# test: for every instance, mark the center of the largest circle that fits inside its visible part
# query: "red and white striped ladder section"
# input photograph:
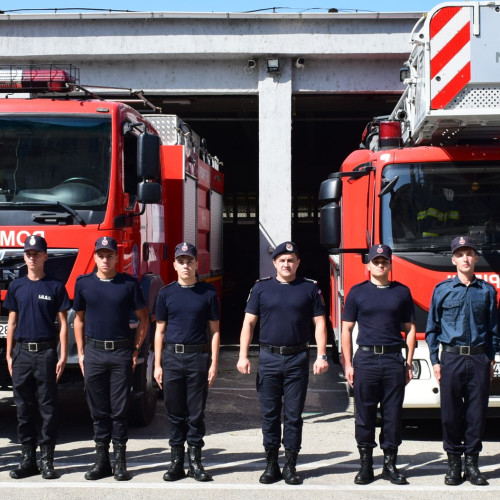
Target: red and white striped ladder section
(450, 68)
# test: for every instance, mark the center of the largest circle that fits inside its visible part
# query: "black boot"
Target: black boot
(176, 469)
(454, 475)
(102, 466)
(120, 471)
(365, 474)
(272, 472)
(289, 473)
(47, 461)
(27, 467)
(390, 470)
(472, 473)
(196, 469)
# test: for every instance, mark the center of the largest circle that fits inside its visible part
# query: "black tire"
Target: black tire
(145, 394)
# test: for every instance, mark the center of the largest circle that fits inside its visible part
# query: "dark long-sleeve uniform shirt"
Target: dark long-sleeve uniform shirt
(462, 315)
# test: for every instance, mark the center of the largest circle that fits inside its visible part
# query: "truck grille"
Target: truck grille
(12, 265)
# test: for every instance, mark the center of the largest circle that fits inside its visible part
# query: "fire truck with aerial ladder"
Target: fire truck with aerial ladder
(426, 173)
(75, 167)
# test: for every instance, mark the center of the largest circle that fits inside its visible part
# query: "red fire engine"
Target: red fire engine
(74, 169)
(428, 172)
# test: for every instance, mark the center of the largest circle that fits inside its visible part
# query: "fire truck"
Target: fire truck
(426, 173)
(76, 167)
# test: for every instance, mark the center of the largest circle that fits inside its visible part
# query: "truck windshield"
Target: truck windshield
(431, 203)
(49, 159)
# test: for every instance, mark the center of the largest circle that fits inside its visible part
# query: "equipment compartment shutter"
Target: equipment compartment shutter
(190, 226)
(216, 232)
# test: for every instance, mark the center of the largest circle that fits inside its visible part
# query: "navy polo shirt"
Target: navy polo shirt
(379, 312)
(186, 310)
(285, 310)
(37, 304)
(107, 304)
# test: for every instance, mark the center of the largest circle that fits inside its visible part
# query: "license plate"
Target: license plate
(496, 371)
(3, 330)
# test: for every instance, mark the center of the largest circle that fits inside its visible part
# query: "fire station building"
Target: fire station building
(281, 99)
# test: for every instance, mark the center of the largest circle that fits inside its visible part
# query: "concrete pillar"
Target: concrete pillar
(275, 160)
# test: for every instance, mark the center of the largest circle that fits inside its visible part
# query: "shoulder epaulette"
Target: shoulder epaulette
(449, 280)
(311, 280)
(267, 278)
(485, 282)
(84, 276)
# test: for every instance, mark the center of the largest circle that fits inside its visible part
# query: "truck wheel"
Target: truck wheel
(145, 394)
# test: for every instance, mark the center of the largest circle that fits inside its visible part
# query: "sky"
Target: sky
(283, 6)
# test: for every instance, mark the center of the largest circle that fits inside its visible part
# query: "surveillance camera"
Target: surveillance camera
(299, 63)
(251, 63)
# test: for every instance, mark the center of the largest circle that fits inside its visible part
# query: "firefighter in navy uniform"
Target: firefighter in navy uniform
(34, 302)
(463, 319)
(379, 372)
(107, 353)
(286, 306)
(186, 359)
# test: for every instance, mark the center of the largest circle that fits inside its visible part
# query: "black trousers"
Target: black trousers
(185, 388)
(108, 385)
(282, 383)
(378, 379)
(465, 386)
(35, 394)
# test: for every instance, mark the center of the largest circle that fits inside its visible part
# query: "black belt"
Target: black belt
(381, 349)
(108, 345)
(285, 350)
(465, 350)
(185, 348)
(36, 346)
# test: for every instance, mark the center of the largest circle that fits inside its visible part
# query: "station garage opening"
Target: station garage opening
(325, 129)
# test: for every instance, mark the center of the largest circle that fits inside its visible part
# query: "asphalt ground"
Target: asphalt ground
(234, 455)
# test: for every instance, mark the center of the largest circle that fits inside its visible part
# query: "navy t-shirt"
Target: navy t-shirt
(379, 311)
(285, 310)
(37, 304)
(186, 310)
(107, 304)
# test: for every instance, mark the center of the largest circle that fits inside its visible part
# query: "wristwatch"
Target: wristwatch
(324, 357)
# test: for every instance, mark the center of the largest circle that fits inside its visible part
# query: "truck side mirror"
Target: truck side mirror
(330, 193)
(329, 225)
(148, 156)
(330, 190)
(148, 192)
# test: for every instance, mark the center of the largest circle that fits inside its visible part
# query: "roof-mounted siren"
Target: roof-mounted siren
(390, 134)
(31, 78)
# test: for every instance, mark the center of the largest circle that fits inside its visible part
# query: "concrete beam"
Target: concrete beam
(233, 76)
(122, 36)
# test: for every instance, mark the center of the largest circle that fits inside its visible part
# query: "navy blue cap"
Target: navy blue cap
(106, 243)
(380, 251)
(285, 247)
(463, 241)
(35, 242)
(186, 249)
